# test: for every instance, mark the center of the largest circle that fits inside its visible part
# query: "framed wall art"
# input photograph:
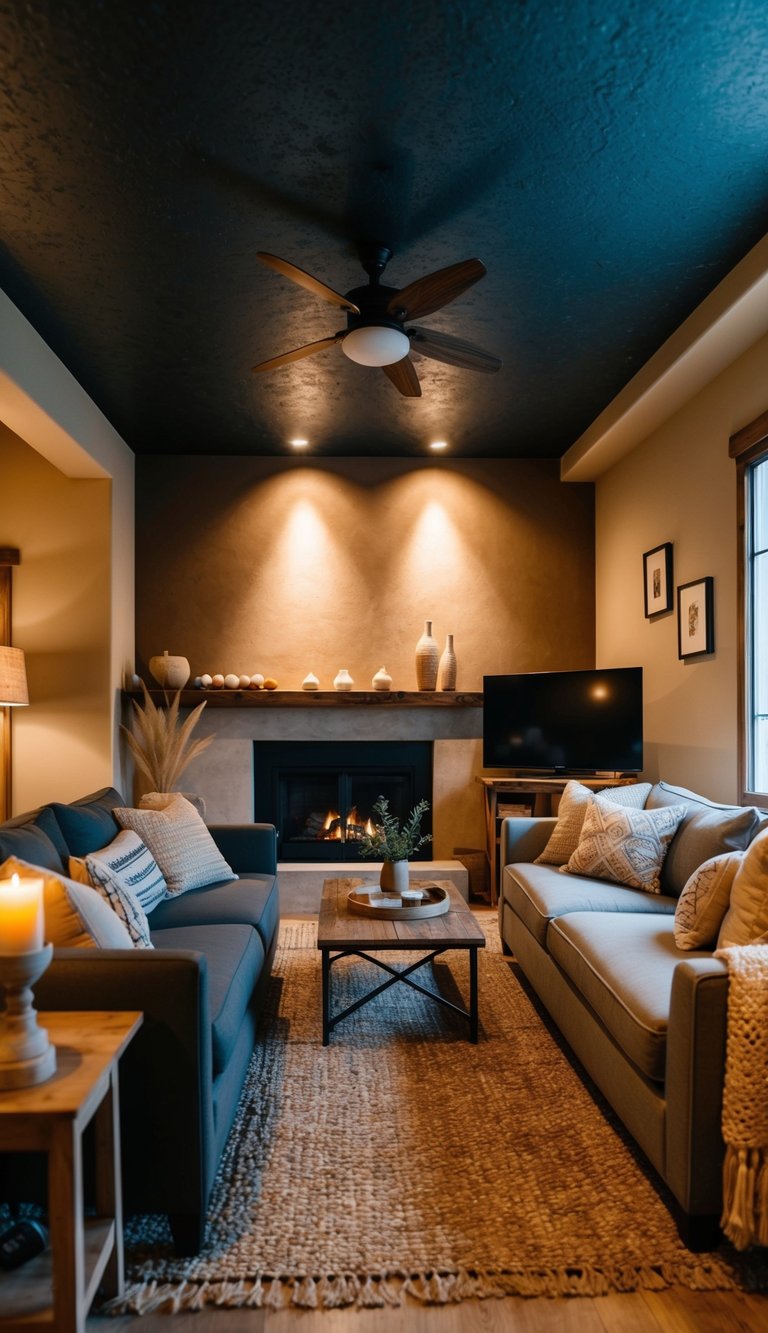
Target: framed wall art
(657, 580)
(696, 618)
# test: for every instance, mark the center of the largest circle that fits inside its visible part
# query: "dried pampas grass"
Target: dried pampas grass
(161, 747)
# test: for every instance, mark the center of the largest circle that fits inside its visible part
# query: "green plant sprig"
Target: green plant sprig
(390, 842)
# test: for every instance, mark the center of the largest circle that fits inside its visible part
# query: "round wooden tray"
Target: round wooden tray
(368, 900)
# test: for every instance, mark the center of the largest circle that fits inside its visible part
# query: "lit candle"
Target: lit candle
(21, 915)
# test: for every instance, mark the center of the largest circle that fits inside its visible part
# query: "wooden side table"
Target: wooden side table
(55, 1289)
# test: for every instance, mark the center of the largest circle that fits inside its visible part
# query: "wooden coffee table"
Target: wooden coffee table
(344, 935)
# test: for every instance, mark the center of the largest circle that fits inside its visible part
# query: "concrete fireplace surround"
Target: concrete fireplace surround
(224, 776)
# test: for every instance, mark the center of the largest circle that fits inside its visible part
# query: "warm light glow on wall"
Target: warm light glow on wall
(299, 443)
(439, 444)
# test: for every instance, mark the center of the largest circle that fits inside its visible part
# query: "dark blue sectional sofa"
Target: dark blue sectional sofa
(201, 990)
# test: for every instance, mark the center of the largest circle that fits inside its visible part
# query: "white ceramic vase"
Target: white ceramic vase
(427, 659)
(448, 666)
(343, 680)
(382, 680)
(394, 876)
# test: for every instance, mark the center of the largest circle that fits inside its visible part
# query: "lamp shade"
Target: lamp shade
(13, 677)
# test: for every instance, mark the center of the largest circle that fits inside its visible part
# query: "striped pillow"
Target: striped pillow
(181, 844)
(128, 877)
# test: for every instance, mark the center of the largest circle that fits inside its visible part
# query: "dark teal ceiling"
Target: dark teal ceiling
(608, 162)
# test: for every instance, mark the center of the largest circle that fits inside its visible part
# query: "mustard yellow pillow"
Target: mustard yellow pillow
(76, 916)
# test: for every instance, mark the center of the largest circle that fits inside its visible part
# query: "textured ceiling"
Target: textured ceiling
(606, 161)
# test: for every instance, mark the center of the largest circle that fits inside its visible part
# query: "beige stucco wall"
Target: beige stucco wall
(287, 566)
(679, 485)
(61, 618)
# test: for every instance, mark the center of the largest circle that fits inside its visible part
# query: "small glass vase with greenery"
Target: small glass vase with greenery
(394, 843)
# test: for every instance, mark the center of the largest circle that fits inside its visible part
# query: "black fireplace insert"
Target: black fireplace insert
(320, 794)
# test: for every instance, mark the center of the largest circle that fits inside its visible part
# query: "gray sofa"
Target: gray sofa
(646, 1019)
(201, 990)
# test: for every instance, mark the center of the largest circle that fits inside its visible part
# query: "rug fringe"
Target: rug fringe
(433, 1287)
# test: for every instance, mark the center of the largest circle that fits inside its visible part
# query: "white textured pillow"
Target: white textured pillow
(704, 901)
(746, 920)
(180, 843)
(574, 802)
(76, 916)
(624, 845)
(128, 876)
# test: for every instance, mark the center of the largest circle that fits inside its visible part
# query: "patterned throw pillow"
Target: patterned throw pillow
(573, 806)
(76, 916)
(624, 845)
(180, 843)
(704, 902)
(746, 920)
(128, 876)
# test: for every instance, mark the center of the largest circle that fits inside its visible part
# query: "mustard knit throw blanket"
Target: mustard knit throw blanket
(745, 1097)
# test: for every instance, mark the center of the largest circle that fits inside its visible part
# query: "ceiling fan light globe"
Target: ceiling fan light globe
(375, 345)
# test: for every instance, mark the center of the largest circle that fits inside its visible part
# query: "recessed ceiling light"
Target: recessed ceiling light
(439, 444)
(299, 444)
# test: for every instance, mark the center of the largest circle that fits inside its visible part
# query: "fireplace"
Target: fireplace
(320, 794)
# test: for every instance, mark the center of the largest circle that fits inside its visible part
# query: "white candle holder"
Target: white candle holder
(26, 1054)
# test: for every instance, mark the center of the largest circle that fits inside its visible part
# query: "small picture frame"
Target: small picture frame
(657, 580)
(696, 618)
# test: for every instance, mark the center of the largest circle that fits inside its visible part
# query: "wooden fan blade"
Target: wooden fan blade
(403, 376)
(313, 285)
(454, 351)
(308, 349)
(426, 295)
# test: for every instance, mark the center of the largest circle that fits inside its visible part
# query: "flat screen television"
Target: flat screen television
(565, 721)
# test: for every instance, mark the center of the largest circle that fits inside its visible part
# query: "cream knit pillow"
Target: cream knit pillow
(703, 902)
(747, 917)
(180, 843)
(574, 803)
(623, 845)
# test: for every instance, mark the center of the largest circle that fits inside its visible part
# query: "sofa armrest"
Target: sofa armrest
(249, 848)
(695, 1074)
(523, 837)
(166, 1074)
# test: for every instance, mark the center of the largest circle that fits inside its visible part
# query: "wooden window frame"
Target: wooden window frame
(747, 446)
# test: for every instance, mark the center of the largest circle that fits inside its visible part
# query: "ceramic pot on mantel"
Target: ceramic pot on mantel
(427, 659)
(342, 680)
(171, 673)
(394, 876)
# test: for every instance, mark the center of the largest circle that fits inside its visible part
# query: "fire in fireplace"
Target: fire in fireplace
(320, 794)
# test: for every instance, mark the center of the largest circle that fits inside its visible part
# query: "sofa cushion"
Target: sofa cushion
(235, 959)
(624, 845)
(707, 830)
(76, 916)
(250, 901)
(180, 843)
(574, 801)
(746, 920)
(622, 965)
(538, 894)
(703, 902)
(89, 824)
(38, 841)
(127, 876)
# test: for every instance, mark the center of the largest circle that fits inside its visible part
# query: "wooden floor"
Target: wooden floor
(674, 1311)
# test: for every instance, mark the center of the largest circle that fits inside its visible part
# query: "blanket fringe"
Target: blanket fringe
(433, 1287)
(745, 1196)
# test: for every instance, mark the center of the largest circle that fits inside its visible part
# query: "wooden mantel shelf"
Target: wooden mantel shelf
(320, 698)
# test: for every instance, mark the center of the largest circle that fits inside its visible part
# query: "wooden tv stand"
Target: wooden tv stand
(534, 796)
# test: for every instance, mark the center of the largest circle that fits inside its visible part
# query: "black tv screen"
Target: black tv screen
(565, 721)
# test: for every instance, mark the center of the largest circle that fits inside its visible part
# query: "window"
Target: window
(750, 449)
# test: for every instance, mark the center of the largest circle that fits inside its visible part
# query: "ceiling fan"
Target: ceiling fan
(376, 316)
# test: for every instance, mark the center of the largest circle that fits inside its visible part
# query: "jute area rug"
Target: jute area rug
(401, 1161)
